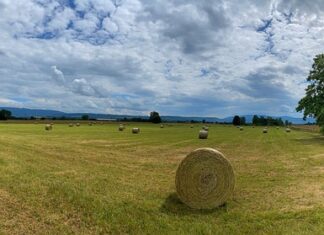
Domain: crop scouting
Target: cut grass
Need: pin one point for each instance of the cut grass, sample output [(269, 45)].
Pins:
[(96, 179)]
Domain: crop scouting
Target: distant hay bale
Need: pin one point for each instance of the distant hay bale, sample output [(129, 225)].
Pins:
[(241, 128), (205, 179), (206, 128), (71, 125), (191, 126), (288, 130), (48, 127), (203, 134), (277, 127), (121, 127), (265, 130), (90, 123), (161, 126), (135, 130), (78, 124)]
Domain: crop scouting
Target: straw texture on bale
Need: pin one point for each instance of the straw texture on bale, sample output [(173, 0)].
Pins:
[(135, 130), (205, 179), (48, 127), (203, 134)]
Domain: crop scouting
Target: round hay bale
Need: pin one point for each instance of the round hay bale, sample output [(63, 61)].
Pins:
[(71, 125), (206, 128), (78, 124), (277, 127), (48, 127), (203, 134), (191, 126), (90, 123), (265, 130), (121, 127), (205, 179), (135, 130), (241, 128), (161, 126), (288, 130)]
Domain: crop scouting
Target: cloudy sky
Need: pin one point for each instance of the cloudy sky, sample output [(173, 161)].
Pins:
[(179, 57)]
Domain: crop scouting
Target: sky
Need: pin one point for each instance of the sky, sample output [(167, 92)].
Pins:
[(178, 57)]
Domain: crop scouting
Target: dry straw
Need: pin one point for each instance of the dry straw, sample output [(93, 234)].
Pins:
[(205, 179), (135, 130), (203, 134)]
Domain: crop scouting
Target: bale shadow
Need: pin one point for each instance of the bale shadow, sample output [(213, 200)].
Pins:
[(173, 205)]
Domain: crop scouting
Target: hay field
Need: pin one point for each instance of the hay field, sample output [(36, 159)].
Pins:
[(99, 180)]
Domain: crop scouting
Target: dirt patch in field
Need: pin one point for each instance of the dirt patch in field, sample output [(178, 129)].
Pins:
[(305, 196)]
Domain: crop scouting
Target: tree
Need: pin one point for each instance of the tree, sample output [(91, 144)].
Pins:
[(236, 120), (5, 114), (155, 117), (85, 117), (243, 120), (255, 120), (312, 105)]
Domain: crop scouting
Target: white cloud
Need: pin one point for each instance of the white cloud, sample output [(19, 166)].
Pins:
[(177, 57)]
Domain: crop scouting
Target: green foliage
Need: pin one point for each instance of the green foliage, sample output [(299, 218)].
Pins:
[(268, 121), (313, 102), (5, 114), (155, 117), (85, 117), (236, 120)]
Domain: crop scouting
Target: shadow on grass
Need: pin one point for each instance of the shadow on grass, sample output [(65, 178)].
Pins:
[(173, 205), (315, 139)]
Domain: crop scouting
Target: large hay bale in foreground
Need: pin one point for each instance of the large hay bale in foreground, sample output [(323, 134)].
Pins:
[(205, 179), (203, 134), (135, 130), (48, 127)]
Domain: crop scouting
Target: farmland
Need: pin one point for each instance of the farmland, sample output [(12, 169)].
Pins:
[(96, 179)]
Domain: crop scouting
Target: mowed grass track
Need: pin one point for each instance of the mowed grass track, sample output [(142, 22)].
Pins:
[(95, 179)]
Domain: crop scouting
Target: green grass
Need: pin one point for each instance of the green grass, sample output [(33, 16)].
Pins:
[(95, 179)]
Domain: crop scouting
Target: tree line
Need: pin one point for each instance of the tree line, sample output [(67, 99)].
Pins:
[(260, 121)]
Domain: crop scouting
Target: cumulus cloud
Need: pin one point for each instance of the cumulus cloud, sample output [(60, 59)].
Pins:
[(178, 57)]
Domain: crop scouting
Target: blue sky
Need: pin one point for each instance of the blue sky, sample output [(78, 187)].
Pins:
[(179, 57)]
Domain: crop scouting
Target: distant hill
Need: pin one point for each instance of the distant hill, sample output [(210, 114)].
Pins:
[(27, 113)]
